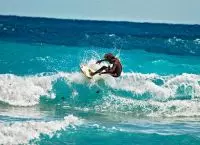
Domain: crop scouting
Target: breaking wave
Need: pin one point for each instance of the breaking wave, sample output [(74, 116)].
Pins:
[(137, 93), (23, 132)]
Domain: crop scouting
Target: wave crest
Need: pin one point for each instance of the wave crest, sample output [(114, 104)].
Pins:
[(23, 132), (27, 90)]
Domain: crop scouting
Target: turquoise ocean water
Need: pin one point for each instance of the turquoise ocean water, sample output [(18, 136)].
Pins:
[(45, 99)]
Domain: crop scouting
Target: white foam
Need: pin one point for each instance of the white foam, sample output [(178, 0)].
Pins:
[(74, 77), (24, 91), (197, 41), (23, 132), (27, 90), (189, 82), (173, 108), (16, 112), (139, 84), (161, 128), (175, 40), (143, 83)]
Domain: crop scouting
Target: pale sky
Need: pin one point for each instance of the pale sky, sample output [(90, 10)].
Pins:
[(169, 11)]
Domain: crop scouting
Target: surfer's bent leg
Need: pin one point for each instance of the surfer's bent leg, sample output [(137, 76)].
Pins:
[(98, 71)]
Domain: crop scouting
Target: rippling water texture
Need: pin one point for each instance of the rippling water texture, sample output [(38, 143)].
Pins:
[(45, 99)]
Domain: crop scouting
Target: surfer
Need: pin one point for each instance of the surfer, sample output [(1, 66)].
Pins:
[(114, 71)]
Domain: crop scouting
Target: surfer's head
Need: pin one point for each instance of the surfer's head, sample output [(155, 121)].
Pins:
[(109, 56)]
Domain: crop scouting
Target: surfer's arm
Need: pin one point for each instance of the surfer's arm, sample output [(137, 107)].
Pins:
[(99, 61), (104, 73)]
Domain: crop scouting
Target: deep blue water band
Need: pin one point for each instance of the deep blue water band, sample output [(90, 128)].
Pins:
[(159, 38)]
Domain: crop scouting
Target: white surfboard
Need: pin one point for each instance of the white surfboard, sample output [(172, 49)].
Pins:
[(86, 70)]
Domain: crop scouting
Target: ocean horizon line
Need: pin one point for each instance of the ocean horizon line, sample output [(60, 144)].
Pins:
[(98, 20)]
